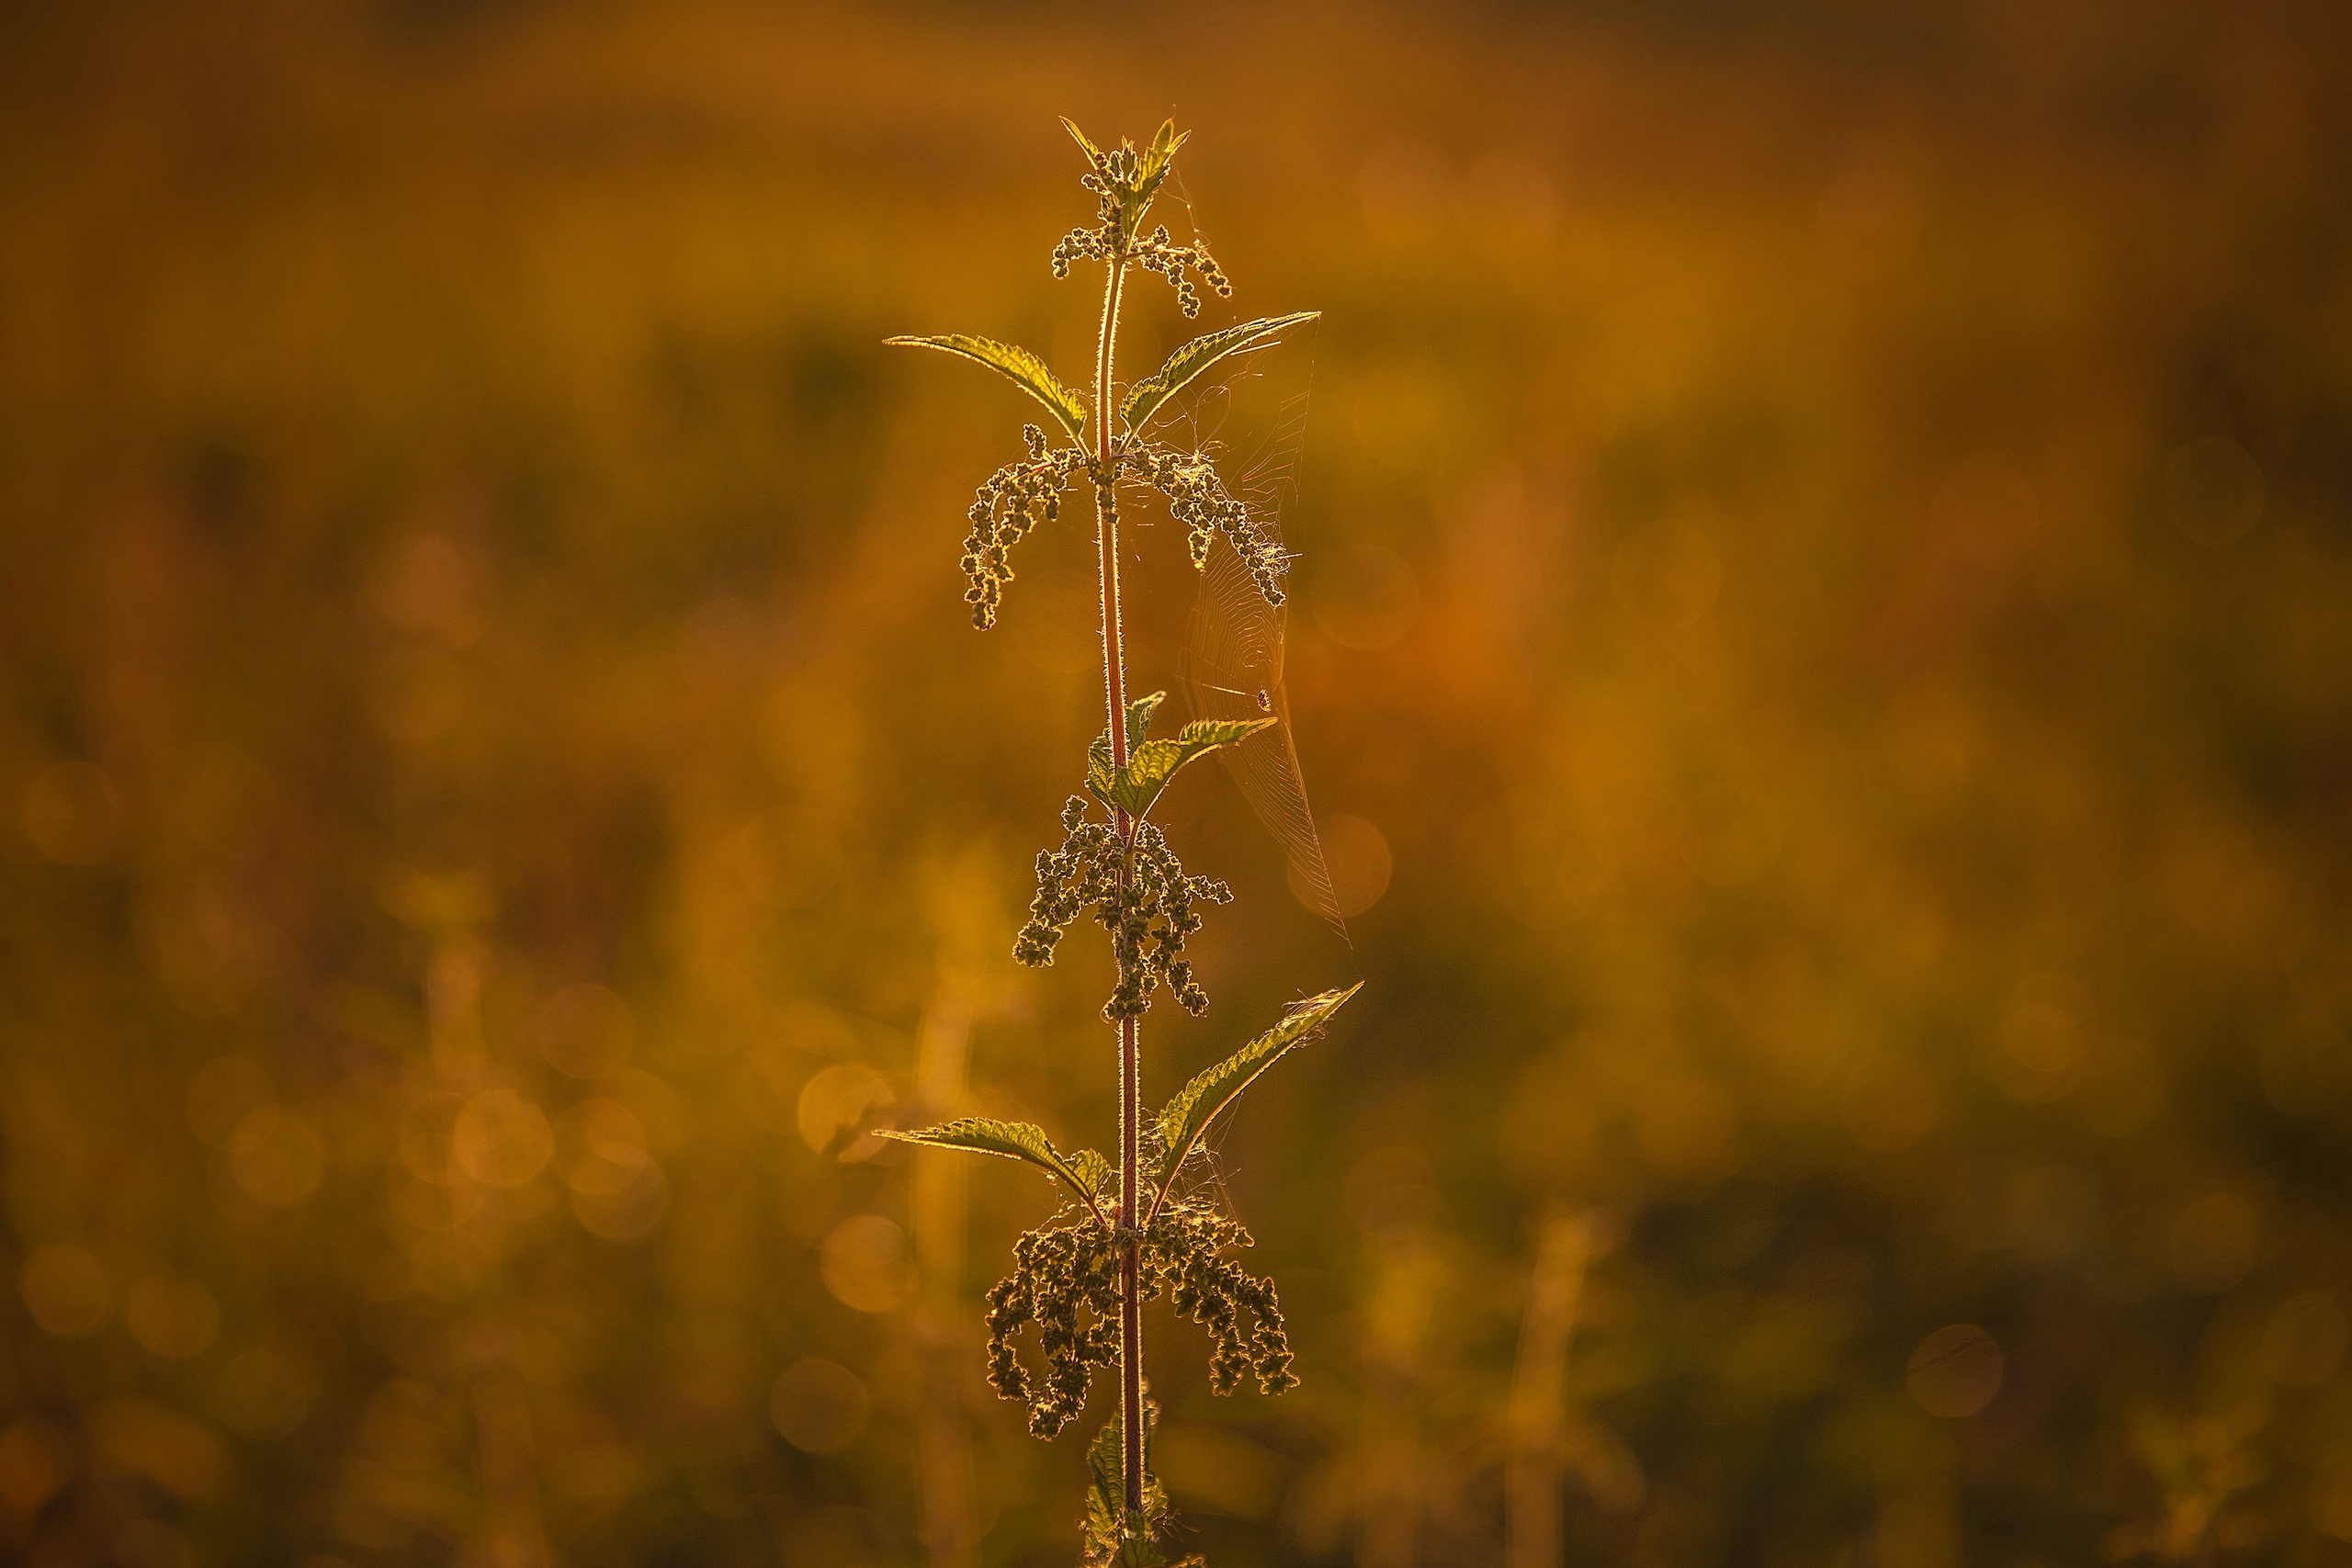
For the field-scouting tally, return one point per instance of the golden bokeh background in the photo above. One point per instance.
(1823, 646)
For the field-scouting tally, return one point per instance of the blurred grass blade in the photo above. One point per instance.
(1019, 365)
(1185, 1119)
(1145, 398)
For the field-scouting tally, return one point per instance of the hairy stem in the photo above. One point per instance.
(1106, 540)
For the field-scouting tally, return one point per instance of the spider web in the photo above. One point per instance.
(1232, 664)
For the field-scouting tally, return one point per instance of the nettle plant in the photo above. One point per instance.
(1137, 1228)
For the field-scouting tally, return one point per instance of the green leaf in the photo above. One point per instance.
(1140, 716)
(1151, 764)
(1015, 1140)
(1184, 1120)
(1093, 153)
(1105, 1499)
(1145, 398)
(1117, 1535)
(1023, 368)
(1158, 156)
(1096, 1174)
(1150, 167)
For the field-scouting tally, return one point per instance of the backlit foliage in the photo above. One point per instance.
(1819, 645)
(1080, 1283)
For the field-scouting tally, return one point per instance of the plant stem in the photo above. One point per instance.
(1115, 680)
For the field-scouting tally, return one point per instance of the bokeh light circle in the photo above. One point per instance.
(863, 1262)
(1955, 1372)
(66, 1289)
(172, 1318)
(818, 1406)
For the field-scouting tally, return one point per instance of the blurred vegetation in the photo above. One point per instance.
(1822, 646)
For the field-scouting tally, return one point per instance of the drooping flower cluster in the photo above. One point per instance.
(1158, 253)
(1064, 1279)
(1010, 503)
(1139, 892)
(1083, 244)
(1174, 262)
(1064, 1283)
(1213, 1291)
(1198, 499)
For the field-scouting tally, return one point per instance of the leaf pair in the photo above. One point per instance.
(1152, 763)
(1183, 1122)
(1144, 400)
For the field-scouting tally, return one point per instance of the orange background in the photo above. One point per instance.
(1821, 646)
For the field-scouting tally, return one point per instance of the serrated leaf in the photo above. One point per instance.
(1117, 1534)
(1104, 1501)
(1184, 1120)
(1139, 716)
(1145, 398)
(1096, 1174)
(1158, 156)
(1151, 764)
(1013, 1140)
(1093, 153)
(1152, 166)
(1022, 368)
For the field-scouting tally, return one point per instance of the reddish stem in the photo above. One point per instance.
(1106, 540)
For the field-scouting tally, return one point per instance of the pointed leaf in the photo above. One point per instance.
(1096, 1174)
(1145, 396)
(1184, 1120)
(1139, 716)
(1150, 167)
(1161, 153)
(1098, 756)
(1152, 763)
(1207, 734)
(1105, 1502)
(1015, 1140)
(1093, 153)
(1019, 365)
(1115, 1534)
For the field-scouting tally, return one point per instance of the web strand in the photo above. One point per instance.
(1232, 667)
